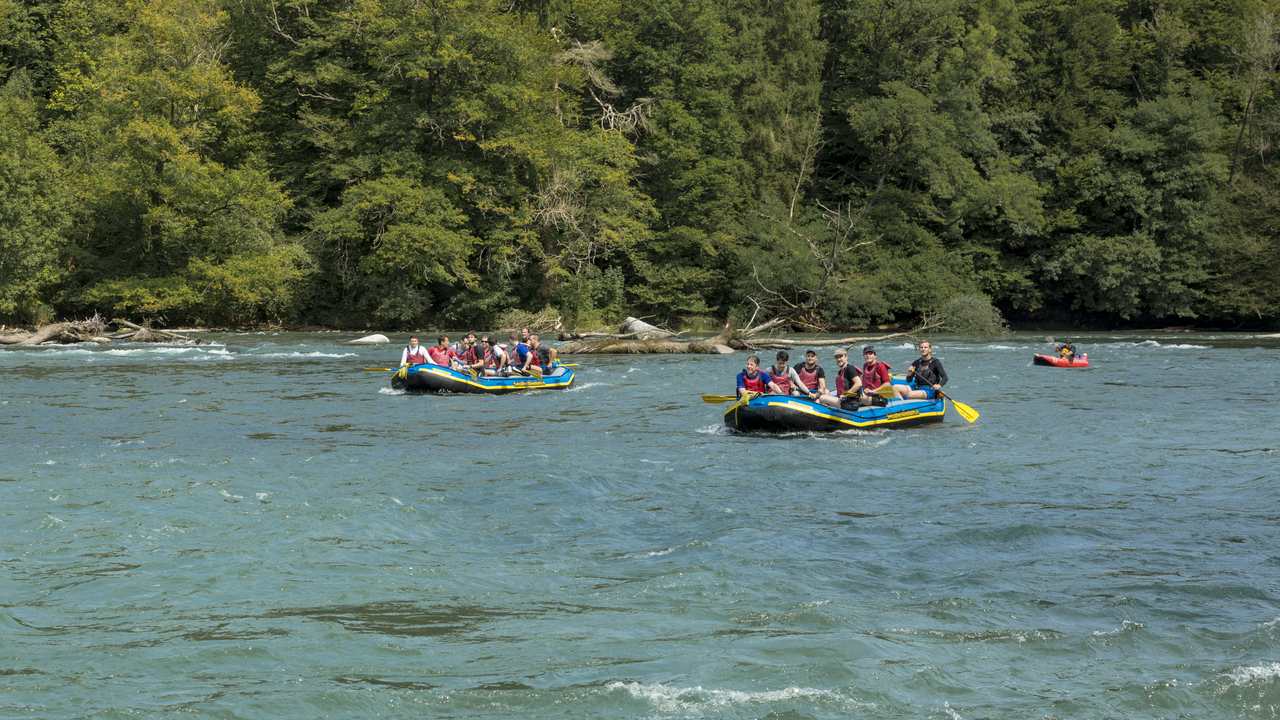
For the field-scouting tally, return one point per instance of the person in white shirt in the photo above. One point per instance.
(415, 354)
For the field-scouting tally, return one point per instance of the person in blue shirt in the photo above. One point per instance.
(752, 380)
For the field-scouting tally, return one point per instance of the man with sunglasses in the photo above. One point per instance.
(494, 359)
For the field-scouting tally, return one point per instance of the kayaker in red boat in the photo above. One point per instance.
(444, 355)
(414, 354)
(752, 380)
(875, 375)
(925, 376)
(848, 380)
(1067, 351)
(812, 375)
(784, 376)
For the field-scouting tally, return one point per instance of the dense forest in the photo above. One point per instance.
(416, 163)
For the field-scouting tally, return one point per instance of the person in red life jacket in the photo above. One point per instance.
(525, 335)
(415, 354)
(543, 356)
(925, 377)
(472, 354)
(848, 380)
(493, 359)
(784, 376)
(444, 355)
(752, 380)
(516, 353)
(812, 376)
(875, 375)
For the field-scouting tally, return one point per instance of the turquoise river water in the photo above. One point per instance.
(258, 528)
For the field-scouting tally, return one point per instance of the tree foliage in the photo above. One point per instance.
(845, 162)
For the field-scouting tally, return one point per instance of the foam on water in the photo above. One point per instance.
(307, 355)
(583, 386)
(1257, 673)
(391, 391)
(670, 699)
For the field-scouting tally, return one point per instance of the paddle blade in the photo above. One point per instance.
(535, 371)
(717, 399)
(965, 411)
(886, 392)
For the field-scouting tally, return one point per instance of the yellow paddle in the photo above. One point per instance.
(717, 399)
(885, 391)
(966, 412)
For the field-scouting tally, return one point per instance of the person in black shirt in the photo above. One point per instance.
(926, 376)
(848, 380)
(1067, 351)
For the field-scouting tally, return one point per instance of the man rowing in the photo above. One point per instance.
(812, 376)
(414, 354)
(848, 380)
(544, 355)
(494, 359)
(752, 380)
(444, 355)
(784, 376)
(470, 354)
(1066, 351)
(925, 377)
(875, 375)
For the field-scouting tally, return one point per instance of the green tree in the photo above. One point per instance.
(152, 126)
(35, 203)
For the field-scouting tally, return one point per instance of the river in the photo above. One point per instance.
(260, 528)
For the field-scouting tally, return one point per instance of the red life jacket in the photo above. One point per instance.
(840, 384)
(874, 375)
(759, 383)
(808, 377)
(416, 357)
(533, 353)
(491, 359)
(783, 380)
(471, 355)
(440, 354)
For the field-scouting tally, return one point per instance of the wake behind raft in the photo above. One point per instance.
(790, 413)
(437, 379)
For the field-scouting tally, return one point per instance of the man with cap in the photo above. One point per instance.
(875, 375)
(1067, 351)
(925, 377)
(812, 377)
(848, 380)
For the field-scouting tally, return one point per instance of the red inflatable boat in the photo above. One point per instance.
(1080, 361)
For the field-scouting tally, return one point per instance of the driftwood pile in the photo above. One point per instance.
(93, 330)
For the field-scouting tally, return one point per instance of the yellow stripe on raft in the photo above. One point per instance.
(886, 420)
(523, 384)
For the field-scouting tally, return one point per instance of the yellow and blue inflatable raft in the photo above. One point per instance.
(783, 413)
(437, 379)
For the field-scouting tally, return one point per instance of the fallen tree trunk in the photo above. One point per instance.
(80, 331)
(727, 341)
(149, 335)
(74, 331)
